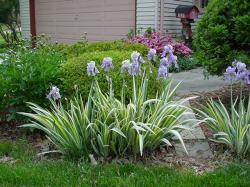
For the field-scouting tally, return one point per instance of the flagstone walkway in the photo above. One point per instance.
(193, 81)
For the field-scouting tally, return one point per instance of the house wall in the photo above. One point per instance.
(171, 24)
(67, 20)
(25, 18)
(147, 14)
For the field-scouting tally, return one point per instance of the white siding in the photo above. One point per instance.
(146, 14)
(25, 18)
(172, 25)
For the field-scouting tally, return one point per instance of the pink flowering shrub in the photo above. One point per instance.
(156, 41)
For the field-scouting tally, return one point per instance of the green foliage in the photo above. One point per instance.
(185, 63)
(9, 20)
(26, 74)
(74, 72)
(66, 173)
(231, 128)
(106, 126)
(222, 32)
(81, 48)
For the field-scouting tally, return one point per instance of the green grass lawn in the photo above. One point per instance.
(66, 173)
(29, 172)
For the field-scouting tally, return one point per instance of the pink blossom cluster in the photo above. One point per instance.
(156, 41)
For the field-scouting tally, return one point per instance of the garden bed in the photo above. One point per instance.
(163, 156)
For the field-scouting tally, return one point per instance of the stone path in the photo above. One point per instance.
(193, 81)
(194, 139)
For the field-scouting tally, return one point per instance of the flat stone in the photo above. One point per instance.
(195, 132)
(196, 149)
(193, 81)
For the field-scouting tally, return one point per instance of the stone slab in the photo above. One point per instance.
(195, 132)
(196, 149)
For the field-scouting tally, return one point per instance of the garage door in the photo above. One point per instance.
(67, 20)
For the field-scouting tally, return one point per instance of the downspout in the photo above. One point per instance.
(32, 18)
(161, 15)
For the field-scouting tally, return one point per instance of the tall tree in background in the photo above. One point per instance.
(9, 20)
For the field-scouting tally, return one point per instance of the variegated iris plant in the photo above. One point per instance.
(231, 126)
(106, 126)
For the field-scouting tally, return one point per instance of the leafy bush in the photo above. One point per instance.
(107, 126)
(223, 34)
(156, 41)
(80, 48)
(231, 126)
(25, 75)
(73, 73)
(186, 63)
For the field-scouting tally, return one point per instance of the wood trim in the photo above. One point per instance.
(32, 18)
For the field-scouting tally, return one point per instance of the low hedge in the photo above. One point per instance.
(74, 73)
(82, 47)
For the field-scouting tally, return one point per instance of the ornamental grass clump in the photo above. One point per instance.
(107, 126)
(231, 126)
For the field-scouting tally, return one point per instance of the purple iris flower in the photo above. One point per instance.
(162, 72)
(164, 62)
(135, 69)
(172, 58)
(125, 66)
(243, 75)
(91, 69)
(241, 66)
(141, 60)
(167, 49)
(230, 73)
(247, 77)
(152, 54)
(135, 56)
(107, 64)
(54, 93)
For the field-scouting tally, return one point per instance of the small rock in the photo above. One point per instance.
(92, 160)
(8, 160)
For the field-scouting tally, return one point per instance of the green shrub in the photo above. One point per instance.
(185, 63)
(74, 72)
(80, 48)
(26, 74)
(222, 32)
(107, 126)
